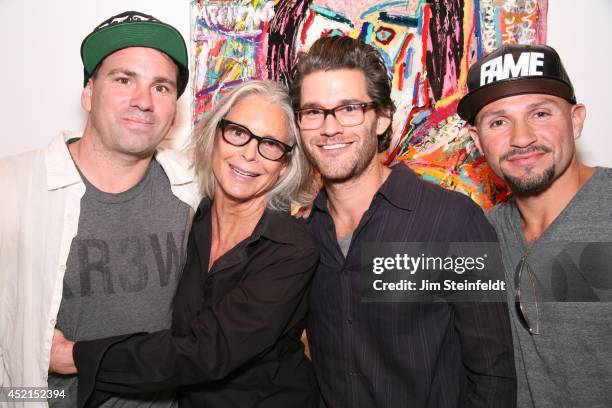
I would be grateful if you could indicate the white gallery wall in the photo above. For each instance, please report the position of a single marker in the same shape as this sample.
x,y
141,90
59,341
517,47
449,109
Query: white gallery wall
x,y
41,68
41,71
581,31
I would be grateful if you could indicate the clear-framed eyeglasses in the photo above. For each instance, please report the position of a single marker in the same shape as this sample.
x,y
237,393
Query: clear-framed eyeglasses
x,y
239,135
350,114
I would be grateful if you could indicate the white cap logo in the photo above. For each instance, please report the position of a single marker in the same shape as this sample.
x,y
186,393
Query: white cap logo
x,y
504,67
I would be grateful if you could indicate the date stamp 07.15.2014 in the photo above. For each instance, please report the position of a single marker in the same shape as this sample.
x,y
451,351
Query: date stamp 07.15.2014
x,y
30,394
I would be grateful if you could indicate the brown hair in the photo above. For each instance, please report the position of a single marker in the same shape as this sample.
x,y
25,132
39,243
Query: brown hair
x,y
338,52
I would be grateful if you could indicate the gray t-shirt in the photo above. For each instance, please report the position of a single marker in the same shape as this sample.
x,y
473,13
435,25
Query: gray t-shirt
x,y
122,271
345,244
570,363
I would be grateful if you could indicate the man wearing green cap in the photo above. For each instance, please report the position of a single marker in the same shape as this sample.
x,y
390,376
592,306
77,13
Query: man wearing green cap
x,y
93,228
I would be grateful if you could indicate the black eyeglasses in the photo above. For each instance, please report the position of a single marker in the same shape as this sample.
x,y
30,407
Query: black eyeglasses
x,y
239,135
350,114
532,325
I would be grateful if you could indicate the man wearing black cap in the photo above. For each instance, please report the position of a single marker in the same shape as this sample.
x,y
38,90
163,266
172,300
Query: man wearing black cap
x,y
94,227
555,231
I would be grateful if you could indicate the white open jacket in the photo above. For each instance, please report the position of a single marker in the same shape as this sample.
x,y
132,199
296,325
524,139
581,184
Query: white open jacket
x,y
40,200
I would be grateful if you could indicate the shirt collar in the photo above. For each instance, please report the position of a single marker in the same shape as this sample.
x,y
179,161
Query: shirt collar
x,y
176,164
320,202
401,189
61,170
273,225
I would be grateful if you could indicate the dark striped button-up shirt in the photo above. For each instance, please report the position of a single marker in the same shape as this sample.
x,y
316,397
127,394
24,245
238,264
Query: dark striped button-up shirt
x,y
376,354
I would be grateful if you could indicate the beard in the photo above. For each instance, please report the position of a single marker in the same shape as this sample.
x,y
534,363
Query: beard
x,y
529,183
343,168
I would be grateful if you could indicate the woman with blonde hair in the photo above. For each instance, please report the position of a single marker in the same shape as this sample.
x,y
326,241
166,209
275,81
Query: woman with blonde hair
x,y
242,299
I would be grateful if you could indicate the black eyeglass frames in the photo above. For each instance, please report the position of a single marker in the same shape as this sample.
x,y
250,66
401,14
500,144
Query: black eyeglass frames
x,y
239,135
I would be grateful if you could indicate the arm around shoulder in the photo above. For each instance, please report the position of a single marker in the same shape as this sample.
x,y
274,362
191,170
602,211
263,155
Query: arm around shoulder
x,y
244,325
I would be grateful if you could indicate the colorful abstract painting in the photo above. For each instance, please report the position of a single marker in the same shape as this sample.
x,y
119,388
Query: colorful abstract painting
x,y
428,47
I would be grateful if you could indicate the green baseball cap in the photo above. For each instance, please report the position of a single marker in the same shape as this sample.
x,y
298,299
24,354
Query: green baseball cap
x,y
134,29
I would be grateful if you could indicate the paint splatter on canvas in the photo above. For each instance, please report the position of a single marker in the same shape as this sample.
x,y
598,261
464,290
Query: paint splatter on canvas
x,y
427,46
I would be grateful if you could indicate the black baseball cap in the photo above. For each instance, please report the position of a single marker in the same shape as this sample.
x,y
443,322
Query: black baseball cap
x,y
135,29
514,69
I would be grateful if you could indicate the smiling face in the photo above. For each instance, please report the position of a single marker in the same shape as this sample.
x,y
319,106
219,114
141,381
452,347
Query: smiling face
x,y
131,101
338,152
241,173
528,140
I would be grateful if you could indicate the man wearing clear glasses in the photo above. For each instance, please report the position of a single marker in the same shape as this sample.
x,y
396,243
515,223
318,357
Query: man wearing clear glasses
x,y
556,231
386,354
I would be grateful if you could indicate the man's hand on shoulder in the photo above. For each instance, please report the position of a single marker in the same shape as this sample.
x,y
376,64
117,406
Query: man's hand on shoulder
x,y
302,212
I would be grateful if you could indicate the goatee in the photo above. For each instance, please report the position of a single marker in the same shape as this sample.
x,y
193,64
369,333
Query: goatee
x,y
531,183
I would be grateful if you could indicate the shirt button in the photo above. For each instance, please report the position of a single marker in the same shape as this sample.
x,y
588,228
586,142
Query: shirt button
x,y
349,321
352,373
